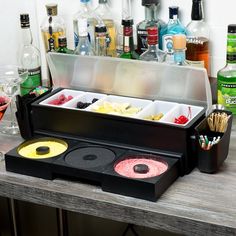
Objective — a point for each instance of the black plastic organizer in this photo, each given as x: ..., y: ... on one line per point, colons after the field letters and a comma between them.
x: 119, y: 136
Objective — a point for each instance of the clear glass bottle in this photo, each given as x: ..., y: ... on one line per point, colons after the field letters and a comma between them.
x: 179, y: 47
x: 198, y: 53
x: 29, y: 57
x: 62, y: 42
x: 151, y: 19
x: 173, y: 27
x: 153, y: 53
x: 84, y: 46
x: 52, y: 27
x: 101, y: 40
x: 226, y: 77
x: 87, y: 13
x: 104, y: 12
x: 128, y: 40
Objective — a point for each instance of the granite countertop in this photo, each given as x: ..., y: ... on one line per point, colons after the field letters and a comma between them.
x: 196, y: 204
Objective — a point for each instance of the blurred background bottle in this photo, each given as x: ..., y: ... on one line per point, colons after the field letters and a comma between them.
x: 179, y: 47
x: 52, y: 27
x: 85, y: 12
x: 198, y: 53
x: 84, y: 46
x: 226, y: 77
x: 151, y: 19
x: 101, y: 40
x: 29, y: 57
x: 128, y: 39
x: 62, y: 45
x: 104, y: 12
x: 173, y: 27
x: 153, y: 53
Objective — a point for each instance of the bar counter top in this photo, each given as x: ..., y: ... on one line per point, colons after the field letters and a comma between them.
x: 196, y: 204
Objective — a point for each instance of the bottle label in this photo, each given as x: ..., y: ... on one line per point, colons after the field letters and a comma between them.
x: 128, y: 33
x: 142, y: 40
x: 33, y: 80
x: 227, y: 94
x: 167, y: 44
x: 231, y: 43
x: 200, y: 64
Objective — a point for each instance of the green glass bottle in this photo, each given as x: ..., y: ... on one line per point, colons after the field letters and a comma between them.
x: 226, y: 77
x: 62, y: 43
x: 128, y: 41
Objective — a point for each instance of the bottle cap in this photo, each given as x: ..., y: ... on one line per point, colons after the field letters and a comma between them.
x: 62, y: 41
x: 100, y: 29
x: 196, y: 13
x: 51, y: 9
x: 82, y: 27
x: 24, y: 20
x: 127, y: 22
x: 173, y: 11
x: 150, y: 2
x: 232, y: 28
x: 102, y: 1
x: 179, y: 41
x: 84, y: 1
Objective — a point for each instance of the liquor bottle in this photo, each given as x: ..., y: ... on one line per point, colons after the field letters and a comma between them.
x: 151, y: 19
x: 52, y: 27
x: 173, y: 27
x: 198, y: 38
x: 84, y: 46
x: 62, y: 43
x: 104, y: 12
x: 128, y: 41
x: 153, y: 53
x: 85, y: 12
x: 179, y: 47
x: 29, y: 57
x: 101, y: 40
x: 226, y: 77
x: 127, y: 24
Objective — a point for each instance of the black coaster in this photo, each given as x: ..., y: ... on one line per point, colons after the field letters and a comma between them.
x: 90, y: 157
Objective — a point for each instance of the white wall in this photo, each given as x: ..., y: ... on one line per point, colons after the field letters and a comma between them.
x: 217, y: 14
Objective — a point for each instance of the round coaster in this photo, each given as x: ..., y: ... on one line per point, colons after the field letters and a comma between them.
x: 141, y: 166
x: 90, y: 157
x: 42, y: 148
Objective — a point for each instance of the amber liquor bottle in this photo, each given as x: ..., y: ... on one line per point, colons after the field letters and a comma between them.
x: 198, y: 53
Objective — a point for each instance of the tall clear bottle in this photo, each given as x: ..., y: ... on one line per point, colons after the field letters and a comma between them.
x: 85, y: 12
x: 174, y: 26
x: 198, y: 53
x: 151, y: 19
x: 226, y: 77
x: 29, y: 57
x: 52, y: 27
x: 84, y: 47
x: 153, y: 53
x: 104, y: 12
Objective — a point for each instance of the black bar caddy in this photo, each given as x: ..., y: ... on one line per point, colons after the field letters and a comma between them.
x: 98, y: 147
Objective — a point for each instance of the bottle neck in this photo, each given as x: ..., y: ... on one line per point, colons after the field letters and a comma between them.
x: 231, y: 48
x: 197, y: 11
x: 27, y: 36
x: 180, y: 57
x: 128, y: 42
x: 151, y: 12
x: 174, y: 18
